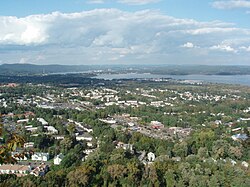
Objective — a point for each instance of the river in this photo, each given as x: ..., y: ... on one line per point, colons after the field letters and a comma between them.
x: 226, y: 79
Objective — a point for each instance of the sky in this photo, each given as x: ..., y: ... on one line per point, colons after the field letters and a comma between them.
x: 211, y: 32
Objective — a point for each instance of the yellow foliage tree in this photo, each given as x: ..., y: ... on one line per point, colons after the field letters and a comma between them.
x: 14, y: 141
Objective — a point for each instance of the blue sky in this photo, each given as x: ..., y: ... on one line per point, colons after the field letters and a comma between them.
x: 125, y: 31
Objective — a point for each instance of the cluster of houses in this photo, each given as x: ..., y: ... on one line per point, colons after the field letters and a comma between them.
x: 155, y: 129
x: 23, y: 170
x: 36, y: 165
x: 110, y: 97
x: 49, y: 129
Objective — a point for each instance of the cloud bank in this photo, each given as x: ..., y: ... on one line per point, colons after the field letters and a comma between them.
x: 231, y: 4
x: 128, y: 2
x: 115, y: 36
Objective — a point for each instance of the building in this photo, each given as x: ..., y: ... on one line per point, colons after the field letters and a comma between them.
x: 156, y: 125
x: 85, y: 136
x: 51, y: 129
x: 40, y: 156
x: 17, y: 156
x: 127, y: 147
x: 40, y: 170
x: 19, y: 170
x: 59, y: 137
x: 245, y: 164
x: 23, y: 121
x: 58, y: 159
x: 28, y: 145
x: 41, y: 120
x: 151, y: 157
x: 242, y: 137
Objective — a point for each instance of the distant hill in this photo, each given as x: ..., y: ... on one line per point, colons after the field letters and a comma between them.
x: 31, y: 69
x: 22, y: 69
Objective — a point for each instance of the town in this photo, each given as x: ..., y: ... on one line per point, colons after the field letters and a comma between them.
x: 151, y: 121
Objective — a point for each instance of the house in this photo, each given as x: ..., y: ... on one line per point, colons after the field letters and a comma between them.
x: 85, y: 136
x: 131, y: 124
x: 41, y: 120
x: 40, y: 170
x: 59, y: 137
x: 40, y: 156
x: 31, y: 129
x: 142, y: 156
x: 236, y: 129
x: 19, y: 170
x: 218, y: 122
x: 17, y: 157
x: 146, y: 158
x: 89, y: 144
x: 22, y: 121
x: 109, y: 121
x: 58, y: 159
x: 151, y: 157
x: 245, y: 164
x: 176, y: 159
x: 128, y: 147
x: 28, y: 145
x: 88, y: 129
x: 233, y: 162
x: 242, y: 137
x: 28, y: 114
x: 51, y: 129
x: 156, y: 125
x: 87, y: 152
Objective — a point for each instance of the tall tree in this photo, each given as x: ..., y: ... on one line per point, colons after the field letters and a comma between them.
x: 13, y: 142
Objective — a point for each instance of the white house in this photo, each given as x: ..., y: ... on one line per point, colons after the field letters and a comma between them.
x: 51, y: 129
x: 242, y: 137
x: 40, y: 156
x: 245, y: 164
x: 58, y: 159
x: 88, y: 129
x: 59, y: 137
x: 42, y: 121
x: 128, y: 147
x: 28, y: 145
x: 109, y: 121
x: 151, y: 157
x: 23, y: 121
x: 89, y: 144
x: 32, y: 129
x: 85, y: 136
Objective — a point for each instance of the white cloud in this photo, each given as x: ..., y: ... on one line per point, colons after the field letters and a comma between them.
x: 29, y: 30
x: 128, y: 2
x: 231, y: 4
x: 138, y: 2
x: 105, y: 35
x: 223, y: 47
x: 208, y: 30
x: 23, y: 60
x: 244, y: 48
x: 95, y: 1
x: 188, y: 45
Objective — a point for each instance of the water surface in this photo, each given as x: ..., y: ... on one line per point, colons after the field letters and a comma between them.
x: 226, y: 79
